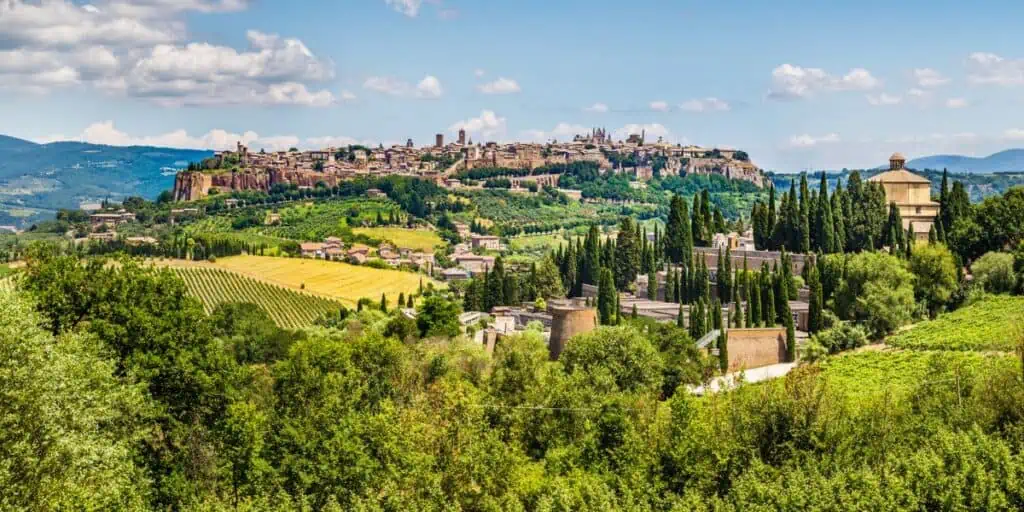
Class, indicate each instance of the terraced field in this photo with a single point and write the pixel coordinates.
(288, 308)
(341, 281)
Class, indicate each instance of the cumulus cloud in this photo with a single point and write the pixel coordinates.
(806, 140)
(599, 108)
(428, 87)
(883, 99)
(139, 48)
(105, 132)
(487, 124)
(710, 104)
(795, 82)
(500, 86)
(561, 131)
(659, 106)
(927, 77)
(992, 69)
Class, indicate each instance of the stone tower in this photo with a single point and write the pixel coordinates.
(568, 320)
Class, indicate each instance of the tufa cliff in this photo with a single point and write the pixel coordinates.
(192, 185)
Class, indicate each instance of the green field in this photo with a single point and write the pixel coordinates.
(993, 323)
(416, 239)
(875, 372)
(288, 308)
(341, 281)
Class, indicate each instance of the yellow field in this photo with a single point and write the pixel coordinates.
(416, 239)
(346, 282)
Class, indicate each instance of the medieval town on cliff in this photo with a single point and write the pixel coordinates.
(243, 169)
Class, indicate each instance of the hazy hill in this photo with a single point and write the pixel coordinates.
(1003, 161)
(66, 174)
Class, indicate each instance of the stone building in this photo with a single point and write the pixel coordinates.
(568, 320)
(912, 195)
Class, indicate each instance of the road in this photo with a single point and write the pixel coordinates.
(731, 380)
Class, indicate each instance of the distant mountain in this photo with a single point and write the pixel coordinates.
(1004, 161)
(36, 179)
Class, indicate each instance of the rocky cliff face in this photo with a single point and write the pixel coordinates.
(193, 185)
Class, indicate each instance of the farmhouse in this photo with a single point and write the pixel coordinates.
(489, 242)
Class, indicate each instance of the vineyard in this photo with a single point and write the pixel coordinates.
(990, 324)
(288, 308)
(898, 372)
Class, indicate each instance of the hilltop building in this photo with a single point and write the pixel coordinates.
(912, 195)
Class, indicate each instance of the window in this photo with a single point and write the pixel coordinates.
(918, 209)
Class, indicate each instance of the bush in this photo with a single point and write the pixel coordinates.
(844, 336)
(994, 272)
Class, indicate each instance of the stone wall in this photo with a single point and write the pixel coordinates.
(753, 348)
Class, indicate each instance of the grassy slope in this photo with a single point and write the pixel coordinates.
(990, 324)
(288, 308)
(339, 280)
(417, 239)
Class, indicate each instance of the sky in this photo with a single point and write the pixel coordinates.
(798, 85)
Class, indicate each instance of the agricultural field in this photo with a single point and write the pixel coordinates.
(347, 283)
(506, 209)
(871, 373)
(5, 271)
(416, 239)
(289, 309)
(994, 323)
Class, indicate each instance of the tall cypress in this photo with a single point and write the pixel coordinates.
(725, 279)
(652, 285)
(824, 224)
(768, 311)
(839, 221)
(606, 297)
(697, 222)
(592, 256)
(678, 235)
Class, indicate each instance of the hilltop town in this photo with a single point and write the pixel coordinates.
(242, 169)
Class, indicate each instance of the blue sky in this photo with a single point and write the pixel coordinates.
(799, 85)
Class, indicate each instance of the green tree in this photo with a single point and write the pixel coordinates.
(934, 269)
(678, 232)
(437, 316)
(383, 303)
(627, 255)
(790, 339)
(547, 282)
(621, 353)
(994, 272)
(815, 316)
(606, 300)
(877, 291)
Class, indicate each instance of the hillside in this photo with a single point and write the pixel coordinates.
(38, 178)
(1010, 160)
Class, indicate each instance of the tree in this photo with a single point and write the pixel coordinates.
(790, 339)
(437, 316)
(994, 272)
(815, 317)
(547, 283)
(678, 232)
(935, 280)
(68, 425)
(627, 255)
(725, 276)
(621, 353)
(592, 256)
(877, 291)
(652, 285)
(723, 351)
(824, 224)
(606, 294)
(495, 283)
(383, 303)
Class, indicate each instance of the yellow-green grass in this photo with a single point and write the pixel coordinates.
(416, 239)
(993, 323)
(288, 308)
(341, 281)
(872, 373)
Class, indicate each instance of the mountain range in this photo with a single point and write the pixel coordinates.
(1010, 160)
(36, 179)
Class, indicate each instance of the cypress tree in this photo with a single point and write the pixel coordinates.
(680, 318)
(723, 351)
(770, 219)
(697, 222)
(634, 313)
(815, 316)
(790, 339)
(839, 238)
(678, 235)
(755, 303)
(652, 285)
(627, 255)
(410, 301)
(768, 311)
(401, 299)
(824, 224)
(570, 278)
(606, 297)
(383, 298)
(932, 236)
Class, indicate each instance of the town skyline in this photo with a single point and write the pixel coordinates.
(206, 74)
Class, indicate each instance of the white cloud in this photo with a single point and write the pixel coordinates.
(599, 108)
(500, 86)
(793, 82)
(927, 77)
(488, 124)
(917, 93)
(347, 95)
(709, 104)
(883, 99)
(806, 140)
(105, 132)
(139, 48)
(410, 8)
(956, 103)
(991, 69)
(1014, 134)
(659, 106)
(428, 87)
(479, 73)
(561, 131)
